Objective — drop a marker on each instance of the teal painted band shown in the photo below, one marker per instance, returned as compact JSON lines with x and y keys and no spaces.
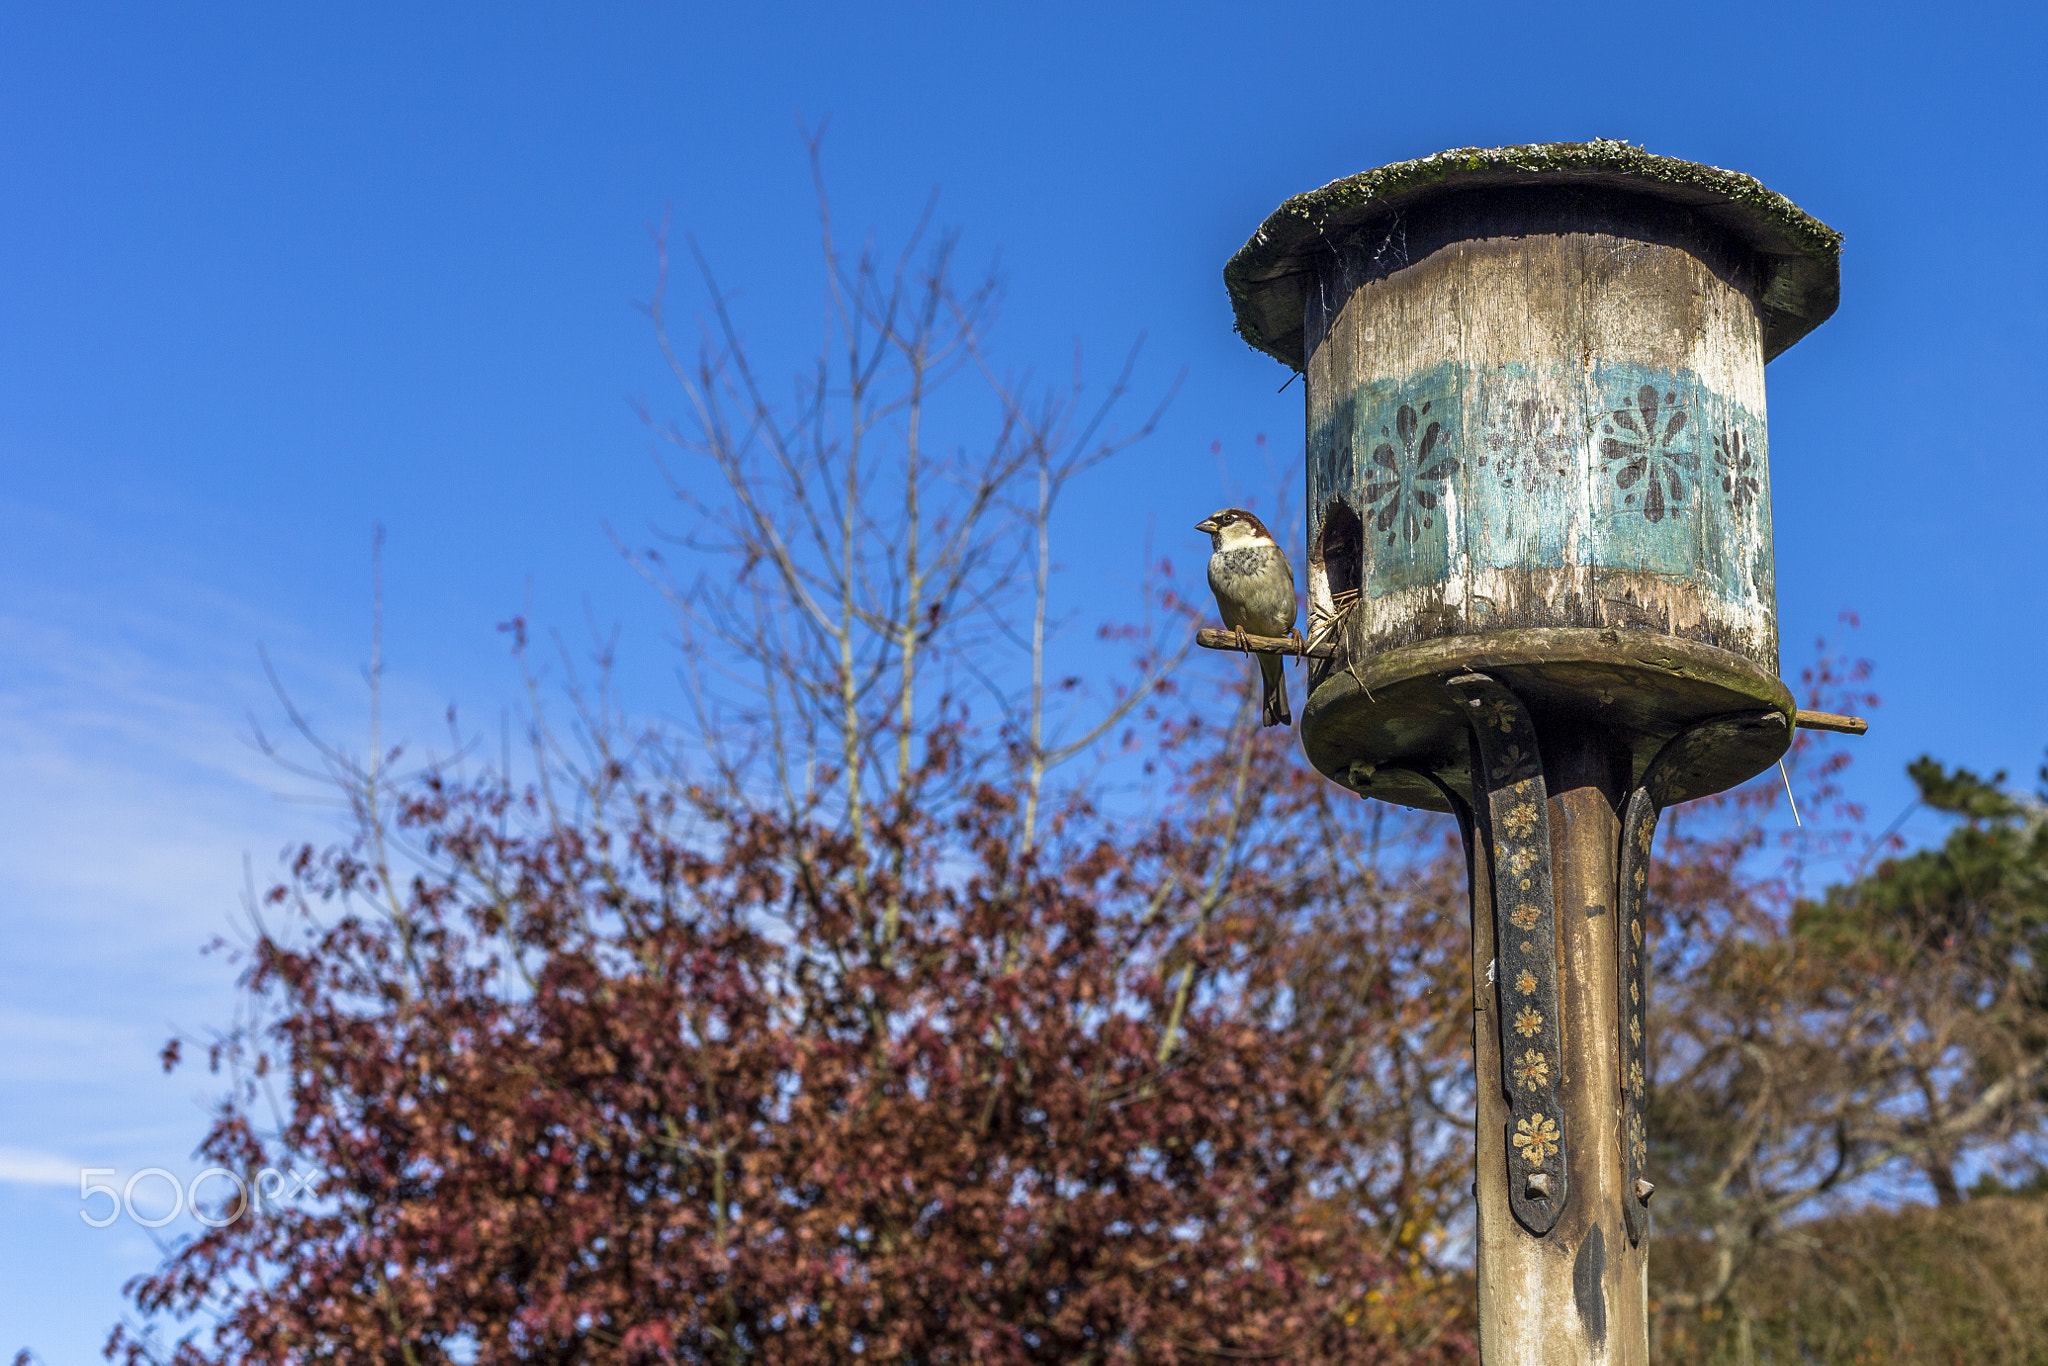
{"x":1610,"y":466}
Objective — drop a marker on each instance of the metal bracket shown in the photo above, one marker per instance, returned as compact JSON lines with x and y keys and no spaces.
{"x":1509,"y":796}
{"x":1631,"y":936}
{"x":1638,"y":830}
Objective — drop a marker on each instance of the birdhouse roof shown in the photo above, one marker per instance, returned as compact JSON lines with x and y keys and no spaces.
{"x":1800,"y":255}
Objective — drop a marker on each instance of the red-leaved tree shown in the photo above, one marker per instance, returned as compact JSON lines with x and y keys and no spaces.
{"x":909,"y":1003}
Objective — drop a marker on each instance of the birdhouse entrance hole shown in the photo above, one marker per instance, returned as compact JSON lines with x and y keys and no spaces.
{"x":1338,"y":562}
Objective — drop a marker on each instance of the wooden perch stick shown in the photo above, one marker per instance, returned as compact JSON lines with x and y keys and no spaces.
{"x":1210,"y":638}
{"x":1827,"y":720}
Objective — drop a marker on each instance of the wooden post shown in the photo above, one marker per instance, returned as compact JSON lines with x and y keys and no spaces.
{"x":1541,"y":596}
{"x":1577,"y":1292}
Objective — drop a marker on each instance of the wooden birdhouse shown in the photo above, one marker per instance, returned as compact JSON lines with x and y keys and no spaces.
{"x":1542,"y":597}
{"x":1537,"y":444}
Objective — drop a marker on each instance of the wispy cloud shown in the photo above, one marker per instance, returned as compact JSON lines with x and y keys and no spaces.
{"x":27,"y":1167}
{"x":134,"y":795}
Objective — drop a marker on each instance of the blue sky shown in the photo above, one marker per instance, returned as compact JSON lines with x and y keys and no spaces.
{"x":272,"y":275}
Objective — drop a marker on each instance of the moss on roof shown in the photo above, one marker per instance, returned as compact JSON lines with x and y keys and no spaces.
{"x":1268,"y":276}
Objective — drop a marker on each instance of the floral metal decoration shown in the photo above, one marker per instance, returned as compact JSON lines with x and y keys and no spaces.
{"x":1536,"y":1136}
{"x":1511,"y":760}
{"x":1511,"y":792}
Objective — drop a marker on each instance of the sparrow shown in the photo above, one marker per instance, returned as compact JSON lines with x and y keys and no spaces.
{"x":1254,"y":588}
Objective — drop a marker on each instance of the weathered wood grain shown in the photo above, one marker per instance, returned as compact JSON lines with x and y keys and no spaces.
{"x":1371,"y":723}
{"x":1827,"y":720}
{"x":1554,"y":429}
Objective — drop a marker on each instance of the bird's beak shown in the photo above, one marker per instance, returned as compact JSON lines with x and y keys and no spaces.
{"x":1207,"y":525}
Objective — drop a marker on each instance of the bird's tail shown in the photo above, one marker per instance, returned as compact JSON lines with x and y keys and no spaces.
{"x":1272,"y":669}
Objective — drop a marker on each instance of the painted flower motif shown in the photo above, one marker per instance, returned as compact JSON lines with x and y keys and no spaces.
{"x":1536,"y":1136}
{"x":1520,"y":820}
{"x":1526,"y":983}
{"x":1524,"y":916}
{"x":1529,"y":1020}
{"x":1408,"y":482}
{"x":1519,"y":860}
{"x":1532,"y":1070}
{"x":1647,"y":436}
{"x":1498,"y":716}
{"x":1635,"y":1079}
{"x":1737,"y":466}
{"x":1511,"y":761}
{"x":1526,"y":440}
{"x":1635,"y":1029}
{"x":1637,"y":1148}
{"x":1635,"y":993}
{"x":1528,"y":946}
